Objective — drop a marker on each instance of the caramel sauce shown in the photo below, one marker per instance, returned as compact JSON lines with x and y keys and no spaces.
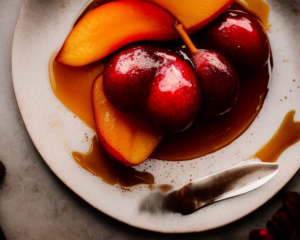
{"x":207,"y":135}
{"x":72,"y":86}
{"x":165,"y":188}
{"x":287,"y":135}
{"x":98,"y":163}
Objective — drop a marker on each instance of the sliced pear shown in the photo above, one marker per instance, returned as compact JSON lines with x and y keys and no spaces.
{"x":194,"y":14}
{"x":128,"y":138}
{"x":113,"y":25}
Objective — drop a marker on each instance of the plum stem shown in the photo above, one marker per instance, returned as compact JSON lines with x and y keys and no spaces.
{"x":180,"y":29}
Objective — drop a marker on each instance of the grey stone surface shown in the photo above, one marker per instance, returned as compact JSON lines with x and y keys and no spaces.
{"x":35,"y":204}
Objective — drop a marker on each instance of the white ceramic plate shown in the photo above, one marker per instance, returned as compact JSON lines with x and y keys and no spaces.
{"x":42,"y":28}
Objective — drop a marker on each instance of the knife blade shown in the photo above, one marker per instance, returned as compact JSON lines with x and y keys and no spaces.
{"x":239,"y":179}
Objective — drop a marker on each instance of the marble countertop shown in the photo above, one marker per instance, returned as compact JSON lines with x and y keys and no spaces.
{"x":35,"y":204}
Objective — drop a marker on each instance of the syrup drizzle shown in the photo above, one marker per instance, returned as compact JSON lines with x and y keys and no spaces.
{"x":207,"y":135}
{"x":76,"y":97}
{"x":287,"y":135}
{"x":72,"y":86}
{"x":98,"y":163}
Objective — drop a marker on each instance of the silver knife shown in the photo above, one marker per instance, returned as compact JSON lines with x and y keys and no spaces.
{"x":241,"y":178}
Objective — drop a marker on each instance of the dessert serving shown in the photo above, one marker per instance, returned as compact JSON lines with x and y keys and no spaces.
{"x":158,"y":92}
{"x":137,"y":152}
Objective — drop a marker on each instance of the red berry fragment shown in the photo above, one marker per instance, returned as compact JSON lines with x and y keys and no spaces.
{"x":292,"y":202}
{"x":285,"y":223}
{"x":281,"y":224}
{"x":262,"y":234}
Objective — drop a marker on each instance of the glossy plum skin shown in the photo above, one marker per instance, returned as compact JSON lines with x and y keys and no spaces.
{"x":128,"y":76}
{"x":156,"y":81}
{"x":174,"y":99}
{"x":238,"y":36}
{"x":218,"y":80}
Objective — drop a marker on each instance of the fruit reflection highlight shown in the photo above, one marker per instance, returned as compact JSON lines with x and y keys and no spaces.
{"x":155,"y":81}
{"x":174,"y":99}
{"x":218,"y":79}
{"x":147,"y":90}
{"x":239,"y":37}
{"x":128,"y":78}
{"x":126,"y":137}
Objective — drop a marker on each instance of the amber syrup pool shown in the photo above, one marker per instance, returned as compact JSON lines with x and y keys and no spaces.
{"x":72,"y":85}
